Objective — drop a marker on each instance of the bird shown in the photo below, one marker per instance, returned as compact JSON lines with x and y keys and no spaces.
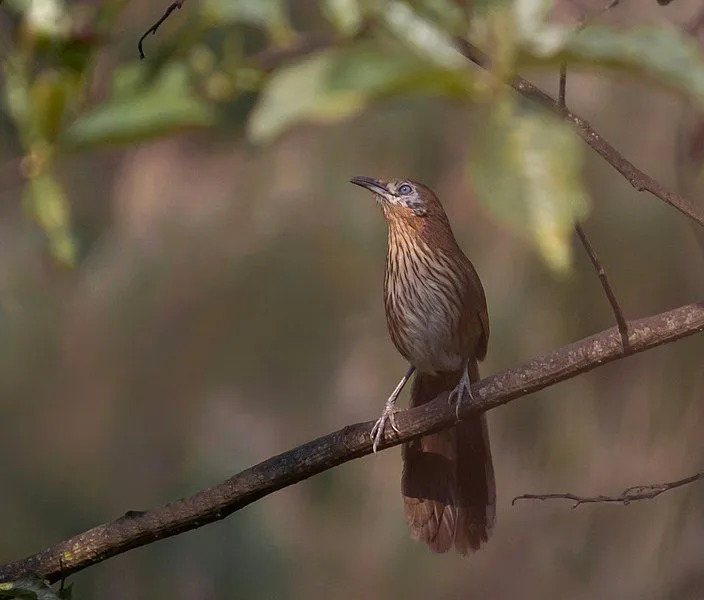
{"x":437,"y":318}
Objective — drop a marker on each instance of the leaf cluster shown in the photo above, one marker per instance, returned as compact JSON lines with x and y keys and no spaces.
{"x":525,"y":165}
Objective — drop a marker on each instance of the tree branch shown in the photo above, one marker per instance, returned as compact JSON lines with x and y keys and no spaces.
{"x":136,"y":529}
{"x":637,"y":178}
{"x":631,"y":494}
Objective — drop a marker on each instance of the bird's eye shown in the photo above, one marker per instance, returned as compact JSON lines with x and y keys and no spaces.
{"x":405,"y":189}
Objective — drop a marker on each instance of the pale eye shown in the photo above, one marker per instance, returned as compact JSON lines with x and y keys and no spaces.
{"x":405,"y":189}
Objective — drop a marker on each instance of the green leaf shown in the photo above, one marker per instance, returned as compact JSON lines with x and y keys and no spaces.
{"x":49,"y":93}
{"x":661,"y":54}
{"x":423,"y":36}
{"x":300,"y":92}
{"x":46,"y":200}
{"x":140,"y":112}
{"x":450,"y":15}
{"x":337,"y":84}
{"x":253,"y":12}
{"x":27,"y":589}
{"x":345,"y":15}
{"x":526,"y":172}
{"x":269,"y":15}
{"x":533,"y":28}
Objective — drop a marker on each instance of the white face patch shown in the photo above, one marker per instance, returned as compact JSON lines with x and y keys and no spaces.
{"x":405,"y":193}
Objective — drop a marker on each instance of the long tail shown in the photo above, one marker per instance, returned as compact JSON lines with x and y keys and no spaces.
{"x":448,"y":478}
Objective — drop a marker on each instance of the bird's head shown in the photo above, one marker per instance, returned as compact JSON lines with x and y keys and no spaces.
{"x":401,"y":198}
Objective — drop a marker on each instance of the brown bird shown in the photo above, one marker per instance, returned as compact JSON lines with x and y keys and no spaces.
{"x":437,"y":317}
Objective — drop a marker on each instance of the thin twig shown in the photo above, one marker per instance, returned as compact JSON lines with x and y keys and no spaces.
{"x":153,"y":29}
{"x":601,"y":272}
{"x":637,"y":178}
{"x":562,"y":92}
{"x":138,"y":528}
{"x":618,"y":313}
{"x":631,"y":494}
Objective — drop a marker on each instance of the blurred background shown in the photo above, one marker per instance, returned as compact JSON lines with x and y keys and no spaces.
{"x":184,"y":296}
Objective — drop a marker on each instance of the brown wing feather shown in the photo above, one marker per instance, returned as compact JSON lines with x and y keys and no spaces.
{"x":474,"y":323}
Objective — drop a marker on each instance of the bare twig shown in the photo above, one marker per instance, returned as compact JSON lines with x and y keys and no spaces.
{"x":618,"y":313}
{"x":562,"y":92}
{"x":138,"y":528}
{"x":153,"y":29}
{"x":631,"y":494}
{"x":637,"y":178}
{"x":601,"y":272}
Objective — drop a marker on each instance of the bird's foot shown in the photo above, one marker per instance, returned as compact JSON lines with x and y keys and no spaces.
{"x":377,"y":432}
{"x":455,"y":397}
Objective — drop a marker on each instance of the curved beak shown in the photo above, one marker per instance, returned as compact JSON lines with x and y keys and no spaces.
{"x":373,"y":185}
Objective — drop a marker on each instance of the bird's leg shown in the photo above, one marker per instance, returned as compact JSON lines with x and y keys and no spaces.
{"x":377,"y":432}
{"x":456,"y":395}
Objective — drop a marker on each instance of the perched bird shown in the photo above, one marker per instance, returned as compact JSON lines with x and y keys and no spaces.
{"x":437,"y":317}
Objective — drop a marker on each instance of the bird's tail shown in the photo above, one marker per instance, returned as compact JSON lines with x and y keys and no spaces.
{"x":448,"y":477}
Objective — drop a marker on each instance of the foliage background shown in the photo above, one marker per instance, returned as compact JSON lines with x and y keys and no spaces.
{"x":188,"y":303}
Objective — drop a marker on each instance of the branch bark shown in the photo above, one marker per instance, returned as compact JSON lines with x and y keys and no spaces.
{"x":638,"y":179}
{"x":137,"y":528}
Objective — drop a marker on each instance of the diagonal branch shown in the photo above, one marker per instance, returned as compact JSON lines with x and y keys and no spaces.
{"x":638,"y":179}
{"x":136,"y":529}
{"x":631,"y":494}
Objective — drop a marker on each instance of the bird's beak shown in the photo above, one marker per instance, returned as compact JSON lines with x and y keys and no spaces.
{"x":373,"y":185}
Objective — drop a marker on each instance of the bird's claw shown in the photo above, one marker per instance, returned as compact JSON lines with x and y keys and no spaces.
{"x":377,"y":432}
{"x":455,"y":397}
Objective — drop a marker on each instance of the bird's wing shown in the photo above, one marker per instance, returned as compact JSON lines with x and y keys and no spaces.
{"x":474,"y":323}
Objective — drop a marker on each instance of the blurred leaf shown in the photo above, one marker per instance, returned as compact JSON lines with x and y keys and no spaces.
{"x":300,"y":92}
{"x":345,"y":15}
{"x":28,"y":589}
{"x":252,"y":12}
{"x":45,"y":199}
{"x":17,"y":96}
{"x":661,"y":54}
{"x":526,"y":172}
{"x":266,"y":14}
{"x":530,"y":16}
{"x":48,"y":18}
{"x":450,"y":15}
{"x":49,"y":93}
{"x":378,"y":70}
{"x":337,"y":84}
{"x":135,"y":113}
{"x":422,"y":35}
{"x":533,"y":28}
